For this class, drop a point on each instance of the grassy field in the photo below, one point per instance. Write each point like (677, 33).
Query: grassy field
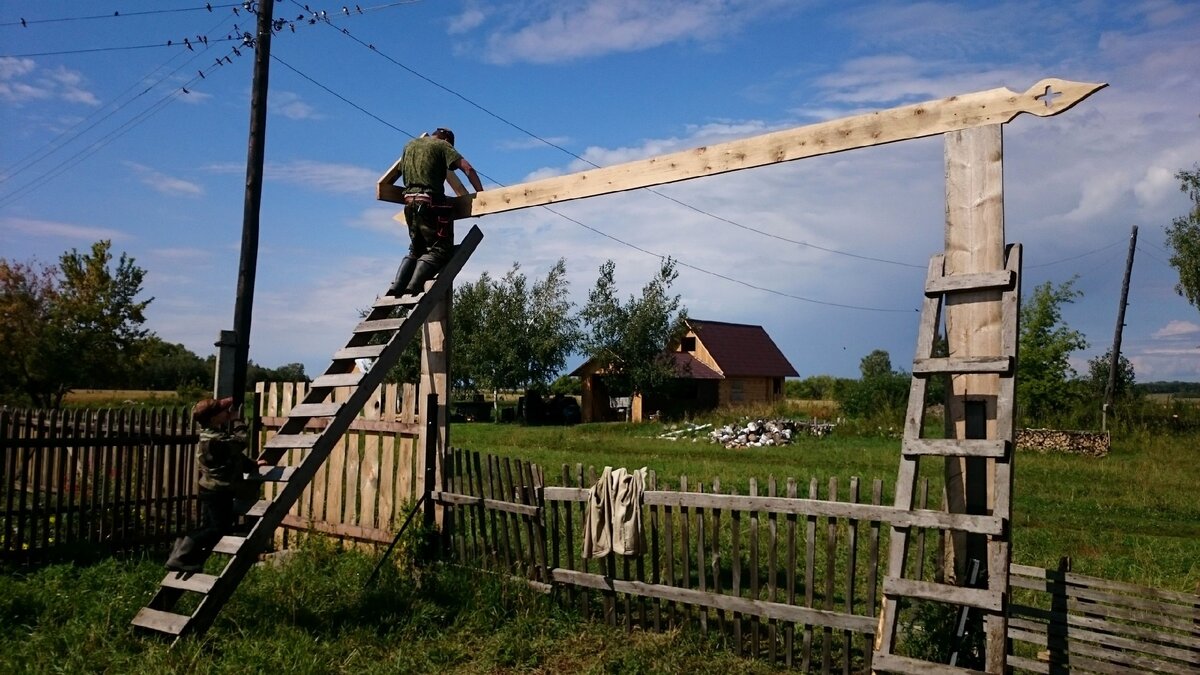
(1132, 516)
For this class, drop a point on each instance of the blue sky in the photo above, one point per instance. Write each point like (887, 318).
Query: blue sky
(104, 143)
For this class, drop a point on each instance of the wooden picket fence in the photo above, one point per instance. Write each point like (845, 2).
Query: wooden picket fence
(373, 473)
(80, 481)
(783, 573)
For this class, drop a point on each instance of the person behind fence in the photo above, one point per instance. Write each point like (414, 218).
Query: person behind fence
(222, 464)
(427, 212)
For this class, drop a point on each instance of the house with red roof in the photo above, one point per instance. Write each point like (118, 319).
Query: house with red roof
(717, 364)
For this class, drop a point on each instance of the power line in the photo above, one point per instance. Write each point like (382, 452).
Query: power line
(92, 50)
(535, 136)
(118, 15)
(1075, 257)
(54, 145)
(623, 242)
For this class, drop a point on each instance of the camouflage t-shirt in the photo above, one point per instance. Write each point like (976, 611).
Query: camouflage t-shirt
(221, 458)
(426, 161)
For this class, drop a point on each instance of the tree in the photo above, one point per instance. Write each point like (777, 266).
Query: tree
(1046, 345)
(508, 335)
(1097, 379)
(628, 341)
(165, 366)
(88, 323)
(1183, 239)
(880, 391)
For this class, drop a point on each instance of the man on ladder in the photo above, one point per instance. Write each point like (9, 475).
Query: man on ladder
(428, 214)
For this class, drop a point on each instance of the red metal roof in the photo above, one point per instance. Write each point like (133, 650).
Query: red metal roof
(741, 350)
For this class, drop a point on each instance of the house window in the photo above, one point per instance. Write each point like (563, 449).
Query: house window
(778, 389)
(689, 343)
(737, 390)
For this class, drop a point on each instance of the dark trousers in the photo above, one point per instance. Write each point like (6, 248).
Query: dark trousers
(431, 231)
(217, 518)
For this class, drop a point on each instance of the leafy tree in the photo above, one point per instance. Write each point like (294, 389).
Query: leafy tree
(1183, 238)
(508, 335)
(817, 387)
(1046, 345)
(628, 340)
(77, 326)
(291, 372)
(165, 366)
(880, 391)
(1097, 379)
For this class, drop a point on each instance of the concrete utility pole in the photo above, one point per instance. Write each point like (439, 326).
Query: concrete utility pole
(1109, 390)
(244, 305)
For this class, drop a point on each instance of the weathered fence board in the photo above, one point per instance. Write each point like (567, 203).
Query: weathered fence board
(93, 480)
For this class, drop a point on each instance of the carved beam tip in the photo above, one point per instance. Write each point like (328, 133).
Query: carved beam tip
(1051, 95)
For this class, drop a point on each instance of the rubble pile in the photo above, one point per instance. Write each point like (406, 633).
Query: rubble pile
(760, 433)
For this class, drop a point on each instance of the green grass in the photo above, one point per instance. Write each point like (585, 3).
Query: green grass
(1132, 516)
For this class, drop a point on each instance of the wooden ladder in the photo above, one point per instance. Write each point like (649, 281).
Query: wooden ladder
(379, 337)
(992, 601)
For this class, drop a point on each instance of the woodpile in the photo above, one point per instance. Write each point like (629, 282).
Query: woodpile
(1087, 443)
(760, 433)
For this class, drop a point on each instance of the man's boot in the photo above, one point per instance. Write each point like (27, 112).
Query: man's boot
(423, 272)
(403, 275)
(186, 556)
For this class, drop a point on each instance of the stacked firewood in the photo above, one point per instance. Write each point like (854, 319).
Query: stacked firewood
(1089, 443)
(760, 433)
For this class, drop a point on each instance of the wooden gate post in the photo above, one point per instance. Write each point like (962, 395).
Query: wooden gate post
(435, 379)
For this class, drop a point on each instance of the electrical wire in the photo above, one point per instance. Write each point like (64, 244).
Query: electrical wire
(1074, 257)
(118, 15)
(92, 50)
(549, 143)
(623, 242)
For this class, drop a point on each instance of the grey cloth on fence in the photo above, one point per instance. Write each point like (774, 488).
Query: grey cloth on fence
(613, 520)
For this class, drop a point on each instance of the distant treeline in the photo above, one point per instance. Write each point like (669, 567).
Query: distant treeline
(1185, 389)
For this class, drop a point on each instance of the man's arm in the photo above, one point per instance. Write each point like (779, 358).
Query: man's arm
(469, 172)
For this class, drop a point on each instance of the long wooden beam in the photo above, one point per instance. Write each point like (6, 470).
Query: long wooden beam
(1049, 96)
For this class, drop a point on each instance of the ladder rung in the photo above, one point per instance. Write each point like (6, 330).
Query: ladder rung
(894, 663)
(992, 601)
(402, 301)
(276, 474)
(229, 545)
(379, 326)
(949, 447)
(315, 410)
(354, 353)
(963, 365)
(964, 283)
(339, 380)
(163, 622)
(196, 583)
(292, 441)
(959, 522)
(258, 508)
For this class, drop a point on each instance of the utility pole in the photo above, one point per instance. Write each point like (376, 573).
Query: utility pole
(1109, 390)
(244, 305)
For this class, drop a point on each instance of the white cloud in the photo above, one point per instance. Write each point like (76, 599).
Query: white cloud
(47, 228)
(21, 82)
(167, 185)
(578, 29)
(290, 105)
(1177, 329)
(468, 20)
(324, 176)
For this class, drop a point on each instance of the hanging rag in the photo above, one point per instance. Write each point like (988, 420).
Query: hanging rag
(613, 519)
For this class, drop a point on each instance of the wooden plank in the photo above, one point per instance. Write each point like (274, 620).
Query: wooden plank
(949, 447)
(655, 551)
(229, 545)
(1110, 648)
(831, 533)
(755, 623)
(978, 281)
(276, 474)
(196, 583)
(893, 663)
(669, 536)
(735, 541)
(851, 565)
(360, 352)
(293, 441)
(964, 365)
(307, 410)
(700, 576)
(715, 556)
(337, 380)
(790, 629)
(995, 106)
(370, 535)
(163, 622)
(772, 578)
(749, 606)
(873, 569)
(378, 326)
(685, 549)
(810, 557)
(957, 595)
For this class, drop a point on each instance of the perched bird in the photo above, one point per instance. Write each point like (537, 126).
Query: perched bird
(201, 74)
(23, 24)
(188, 45)
(208, 6)
(185, 90)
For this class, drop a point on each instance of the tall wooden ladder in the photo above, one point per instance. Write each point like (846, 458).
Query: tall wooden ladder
(379, 336)
(992, 600)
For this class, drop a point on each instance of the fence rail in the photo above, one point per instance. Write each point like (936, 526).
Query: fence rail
(93, 480)
(788, 578)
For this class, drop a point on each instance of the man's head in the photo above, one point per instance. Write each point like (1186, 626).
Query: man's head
(444, 134)
(210, 409)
